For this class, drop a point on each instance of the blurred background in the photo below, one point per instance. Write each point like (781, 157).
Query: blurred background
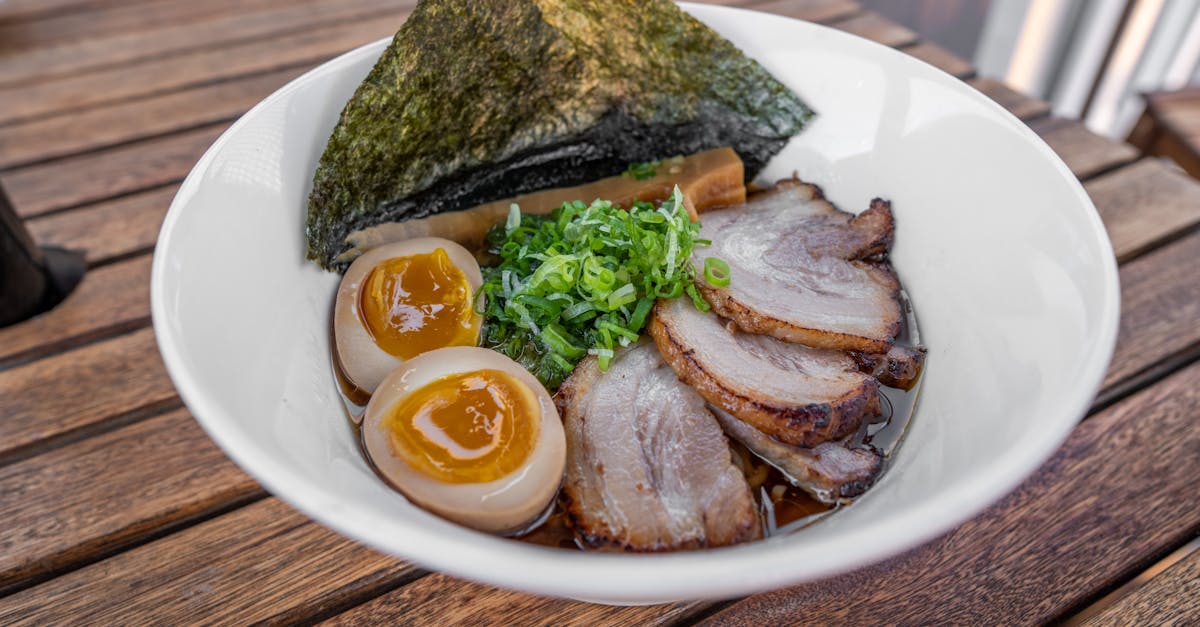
(1090, 59)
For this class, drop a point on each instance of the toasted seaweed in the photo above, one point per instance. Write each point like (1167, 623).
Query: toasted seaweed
(476, 100)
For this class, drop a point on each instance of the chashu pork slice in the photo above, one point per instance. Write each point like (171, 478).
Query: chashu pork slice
(648, 468)
(803, 271)
(832, 472)
(798, 395)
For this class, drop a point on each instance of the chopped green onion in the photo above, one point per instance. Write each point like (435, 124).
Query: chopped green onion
(583, 280)
(514, 219)
(716, 272)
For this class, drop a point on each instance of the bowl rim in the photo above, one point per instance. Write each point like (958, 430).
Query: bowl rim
(625, 578)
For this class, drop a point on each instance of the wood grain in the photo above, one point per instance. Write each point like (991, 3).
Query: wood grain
(101, 493)
(1171, 597)
(156, 76)
(1160, 308)
(107, 18)
(809, 10)
(107, 229)
(108, 173)
(1085, 152)
(109, 300)
(107, 125)
(1042, 549)
(100, 382)
(13, 11)
(78, 55)
(1020, 105)
(263, 562)
(1144, 204)
(877, 28)
(438, 599)
(941, 58)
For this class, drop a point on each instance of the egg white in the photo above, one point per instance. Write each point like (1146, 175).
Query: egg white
(506, 505)
(362, 361)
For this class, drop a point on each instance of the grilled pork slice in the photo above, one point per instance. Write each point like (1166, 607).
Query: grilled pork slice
(801, 270)
(900, 367)
(832, 472)
(648, 468)
(798, 395)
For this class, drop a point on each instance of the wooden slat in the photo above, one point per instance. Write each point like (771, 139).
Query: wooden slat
(75, 56)
(1043, 549)
(1170, 597)
(114, 17)
(441, 600)
(263, 562)
(1022, 106)
(1085, 152)
(810, 10)
(103, 126)
(12, 11)
(109, 229)
(942, 59)
(877, 28)
(1160, 308)
(108, 173)
(1144, 204)
(52, 397)
(98, 494)
(155, 76)
(108, 300)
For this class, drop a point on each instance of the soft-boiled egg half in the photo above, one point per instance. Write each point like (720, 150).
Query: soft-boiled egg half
(470, 435)
(400, 300)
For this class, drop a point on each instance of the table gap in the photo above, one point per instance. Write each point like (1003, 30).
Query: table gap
(1146, 377)
(110, 423)
(157, 534)
(1105, 598)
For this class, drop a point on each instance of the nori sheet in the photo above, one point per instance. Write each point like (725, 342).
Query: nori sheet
(476, 100)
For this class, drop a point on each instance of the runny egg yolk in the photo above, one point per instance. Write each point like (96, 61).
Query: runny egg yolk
(410, 305)
(469, 427)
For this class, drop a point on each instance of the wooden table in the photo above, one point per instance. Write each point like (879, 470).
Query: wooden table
(1170, 127)
(117, 507)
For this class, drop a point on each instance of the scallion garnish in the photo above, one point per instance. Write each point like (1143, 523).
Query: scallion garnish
(716, 272)
(582, 280)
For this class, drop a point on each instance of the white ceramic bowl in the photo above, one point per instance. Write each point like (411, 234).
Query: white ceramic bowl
(1005, 259)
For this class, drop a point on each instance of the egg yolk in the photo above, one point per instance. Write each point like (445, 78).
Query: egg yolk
(471, 427)
(410, 305)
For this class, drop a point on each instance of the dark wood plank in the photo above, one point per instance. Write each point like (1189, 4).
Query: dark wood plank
(13, 11)
(156, 76)
(1022, 106)
(112, 18)
(263, 562)
(941, 58)
(441, 600)
(1168, 597)
(1145, 204)
(109, 300)
(107, 125)
(1160, 308)
(1043, 549)
(877, 28)
(809, 10)
(52, 397)
(101, 493)
(1085, 152)
(82, 179)
(108, 229)
(232, 26)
